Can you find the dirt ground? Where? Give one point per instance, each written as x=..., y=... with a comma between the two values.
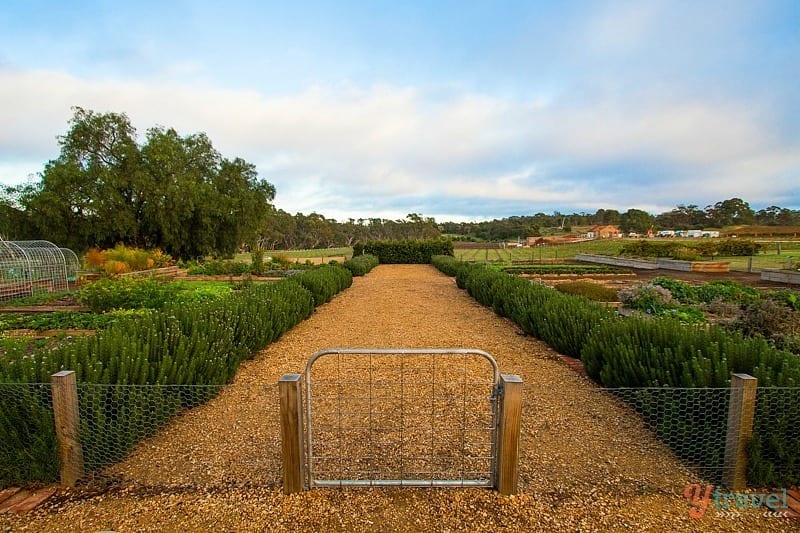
x=587, y=463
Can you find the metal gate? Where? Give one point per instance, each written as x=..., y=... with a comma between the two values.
x=401, y=417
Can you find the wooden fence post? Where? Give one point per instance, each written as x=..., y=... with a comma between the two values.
x=508, y=432
x=292, y=434
x=65, y=413
x=741, y=412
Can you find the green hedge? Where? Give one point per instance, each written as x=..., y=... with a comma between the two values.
x=658, y=355
x=690, y=251
x=561, y=320
x=324, y=282
x=361, y=264
x=200, y=343
x=447, y=264
x=638, y=352
x=404, y=252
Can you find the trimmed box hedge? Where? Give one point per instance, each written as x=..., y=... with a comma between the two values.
x=404, y=252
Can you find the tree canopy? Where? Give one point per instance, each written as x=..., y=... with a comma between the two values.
x=174, y=192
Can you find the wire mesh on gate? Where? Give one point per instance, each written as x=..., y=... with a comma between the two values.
x=407, y=417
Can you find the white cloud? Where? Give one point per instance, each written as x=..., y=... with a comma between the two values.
x=326, y=144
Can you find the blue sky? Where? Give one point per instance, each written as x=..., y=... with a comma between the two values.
x=458, y=110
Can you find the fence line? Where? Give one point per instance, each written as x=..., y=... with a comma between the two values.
x=158, y=428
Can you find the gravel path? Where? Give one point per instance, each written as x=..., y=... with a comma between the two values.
x=587, y=464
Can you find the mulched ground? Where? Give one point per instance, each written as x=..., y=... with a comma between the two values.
x=587, y=463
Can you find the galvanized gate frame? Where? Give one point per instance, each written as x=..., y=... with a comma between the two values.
x=495, y=392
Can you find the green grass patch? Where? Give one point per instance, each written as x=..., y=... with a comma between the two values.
x=36, y=299
x=590, y=290
x=565, y=269
x=345, y=251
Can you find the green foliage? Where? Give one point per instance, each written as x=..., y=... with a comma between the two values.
x=176, y=193
x=405, y=252
x=324, y=282
x=590, y=290
x=561, y=320
x=680, y=290
x=220, y=268
x=738, y=247
x=60, y=320
x=446, y=264
x=647, y=297
x=564, y=269
x=257, y=260
x=685, y=251
x=127, y=293
x=729, y=291
x=648, y=248
x=361, y=264
x=685, y=314
x=789, y=298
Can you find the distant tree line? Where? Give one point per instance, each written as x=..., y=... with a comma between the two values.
x=285, y=231
x=732, y=212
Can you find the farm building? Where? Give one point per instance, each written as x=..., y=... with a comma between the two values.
x=609, y=231
x=33, y=267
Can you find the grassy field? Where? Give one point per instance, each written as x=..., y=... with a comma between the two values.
x=346, y=251
x=768, y=258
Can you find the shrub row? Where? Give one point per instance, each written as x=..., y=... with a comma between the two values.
x=200, y=343
x=324, y=282
x=404, y=252
x=640, y=352
x=561, y=320
x=361, y=264
x=690, y=251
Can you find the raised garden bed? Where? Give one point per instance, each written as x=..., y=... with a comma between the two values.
x=782, y=276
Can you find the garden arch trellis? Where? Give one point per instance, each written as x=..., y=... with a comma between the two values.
x=33, y=267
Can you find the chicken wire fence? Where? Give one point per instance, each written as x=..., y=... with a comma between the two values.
x=401, y=417
x=408, y=425
x=149, y=435
x=602, y=427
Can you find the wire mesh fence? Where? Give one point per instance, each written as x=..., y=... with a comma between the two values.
x=401, y=418
x=775, y=447
x=412, y=421
x=145, y=435
x=631, y=433
x=182, y=435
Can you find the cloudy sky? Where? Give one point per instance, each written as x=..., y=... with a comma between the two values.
x=453, y=109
